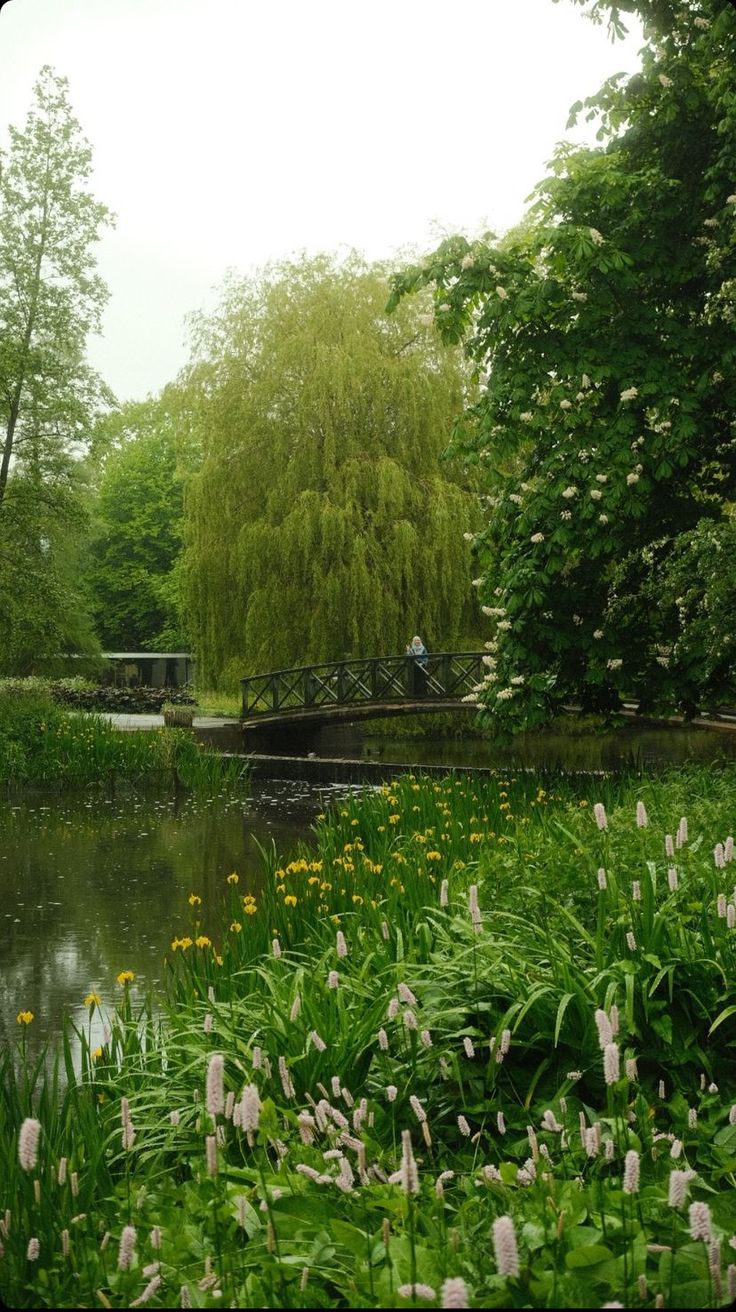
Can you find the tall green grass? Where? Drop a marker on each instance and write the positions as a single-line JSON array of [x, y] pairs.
[[41, 744]]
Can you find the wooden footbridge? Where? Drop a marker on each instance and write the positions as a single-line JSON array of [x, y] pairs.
[[363, 689]]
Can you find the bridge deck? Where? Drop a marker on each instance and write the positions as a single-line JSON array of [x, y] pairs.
[[363, 689]]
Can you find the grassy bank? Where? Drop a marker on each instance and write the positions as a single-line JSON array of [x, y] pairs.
[[477, 1048], [43, 744]]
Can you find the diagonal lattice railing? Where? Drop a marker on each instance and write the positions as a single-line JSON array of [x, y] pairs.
[[447, 675]]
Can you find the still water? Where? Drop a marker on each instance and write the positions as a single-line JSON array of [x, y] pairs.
[[90, 886]]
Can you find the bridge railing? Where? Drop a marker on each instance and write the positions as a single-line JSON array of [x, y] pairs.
[[445, 675]]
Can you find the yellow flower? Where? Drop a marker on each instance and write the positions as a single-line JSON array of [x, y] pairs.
[[335, 920], [24, 1017], [233, 878], [248, 898], [354, 822], [290, 900], [218, 959], [381, 829], [235, 927], [93, 1000], [250, 908], [357, 898], [321, 816], [203, 941], [434, 856], [281, 888], [313, 879], [125, 977], [97, 1054], [185, 942], [194, 900], [393, 819]]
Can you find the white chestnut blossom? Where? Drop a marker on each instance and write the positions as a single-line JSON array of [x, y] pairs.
[[629, 393], [537, 537], [502, 293]]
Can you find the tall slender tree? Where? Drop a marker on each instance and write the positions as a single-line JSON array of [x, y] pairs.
[[322, 521], [50, 300]]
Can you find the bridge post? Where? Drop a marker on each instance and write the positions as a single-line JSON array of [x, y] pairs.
[[275, 692], [341, 682], [445, 673], [309, 688]]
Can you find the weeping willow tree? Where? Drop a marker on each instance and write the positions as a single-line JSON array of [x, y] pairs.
[[323, 522]]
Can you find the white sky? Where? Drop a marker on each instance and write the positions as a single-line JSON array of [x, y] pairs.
[[229, 132]]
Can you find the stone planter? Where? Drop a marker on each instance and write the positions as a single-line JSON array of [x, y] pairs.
[[180, 717]]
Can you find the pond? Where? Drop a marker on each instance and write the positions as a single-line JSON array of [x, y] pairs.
[[645, 745], [91, 886]]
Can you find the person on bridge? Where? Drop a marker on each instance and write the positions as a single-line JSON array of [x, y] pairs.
[[420, 655]]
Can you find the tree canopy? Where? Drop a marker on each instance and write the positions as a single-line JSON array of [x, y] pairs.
[[322, 522], [50, 300], [602, 331], [135, 539]]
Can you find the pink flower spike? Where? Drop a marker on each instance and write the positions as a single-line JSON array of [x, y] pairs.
[[631, 1173], [601, 819], [127, 1248], [642, 819], [215, 1088], [504, 1246], [700, 1222], [28, 1144], [454, 1293], [611, 1063]]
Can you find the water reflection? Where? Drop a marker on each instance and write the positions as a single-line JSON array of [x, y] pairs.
[[90, 887], [635, 745]]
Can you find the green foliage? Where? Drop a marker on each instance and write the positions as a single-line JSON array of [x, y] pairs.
[[476, 1039], [136, 537], [50, 299], [321, 521], [604, 325], [41, 743]]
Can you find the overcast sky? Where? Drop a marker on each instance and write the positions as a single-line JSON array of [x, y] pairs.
[[229, 132]]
